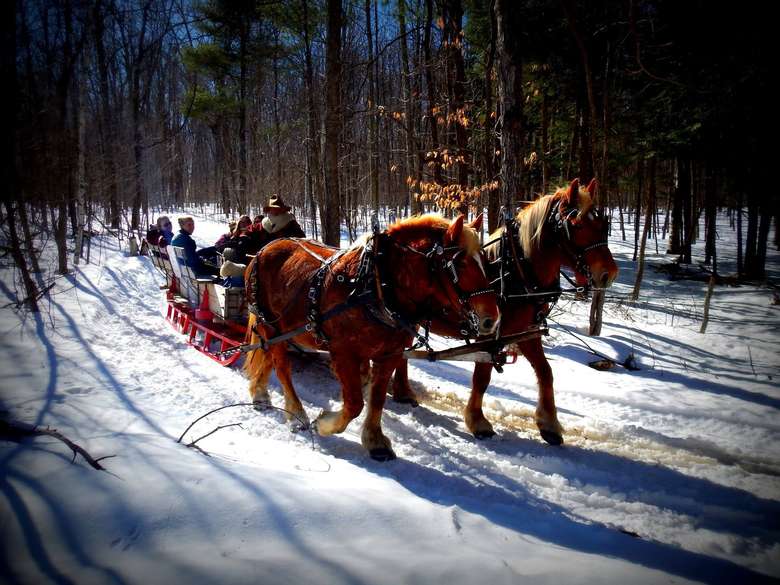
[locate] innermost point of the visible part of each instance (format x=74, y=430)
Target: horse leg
x=473, y=416
x=347, y=371
x=365, y=378
x=258, y=367
x=372, y=437
x=546, y=415
x=402, y=391
x=294, y=412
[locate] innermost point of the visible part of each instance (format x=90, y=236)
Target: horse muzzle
x=604, y=278
x=488, y=325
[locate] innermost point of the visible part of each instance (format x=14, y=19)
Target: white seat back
x=188, y=282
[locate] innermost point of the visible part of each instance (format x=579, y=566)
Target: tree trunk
x=432, y=118
x=452, y=15
x=686, y=194
x=373, y=176
x=545, y=121
x=675, y=234
x=740, y=267
x=30, y=288
x=243, y=127
x=493, y=203
x=640, y=171
x=590, y=115
x=330, y=213
x=29, y=244
x=104, y=118
x=648, y=220
x=61, y=236
x=710, y=214
x=510, y=100
x=707, y=300
x=596, y=312
x=135, y=101
x=312, y=122
x=412, y=150
x=81, y=168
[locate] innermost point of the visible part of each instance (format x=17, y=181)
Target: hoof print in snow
x=551, y=437
x=382, y=454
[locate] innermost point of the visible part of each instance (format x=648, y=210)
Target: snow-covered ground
x=668, y=474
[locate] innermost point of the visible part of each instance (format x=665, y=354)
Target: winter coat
x=191, y=256
x=273, y=228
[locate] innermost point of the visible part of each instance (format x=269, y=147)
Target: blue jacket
x=192, y=259
x=168, y=235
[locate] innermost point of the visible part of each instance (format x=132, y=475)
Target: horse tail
x=255, y=364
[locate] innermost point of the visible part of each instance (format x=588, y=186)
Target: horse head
x=453, y=280
x=581, y=232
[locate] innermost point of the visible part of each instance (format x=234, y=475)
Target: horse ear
x=572, y=194
x=592, y=188
x=453, y=232
x=476, y=224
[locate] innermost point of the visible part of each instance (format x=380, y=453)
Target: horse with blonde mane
x=564, y=228
x=361, y=304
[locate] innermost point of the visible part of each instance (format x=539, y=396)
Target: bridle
x=441, y=263
x=563, y=222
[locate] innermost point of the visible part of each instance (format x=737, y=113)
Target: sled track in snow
x=681, y=454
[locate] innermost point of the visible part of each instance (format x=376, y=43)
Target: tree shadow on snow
x=503, y=500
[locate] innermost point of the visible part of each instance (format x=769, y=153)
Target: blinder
x=441, y=262
x=563, y=221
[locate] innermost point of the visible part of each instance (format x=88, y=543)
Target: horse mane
x=532, y=219
x=418, y=228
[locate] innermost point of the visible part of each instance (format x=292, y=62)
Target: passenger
x=155, y=234
x=258, y=220
x=202, y=262
x=240, y=239
x=278, y=223
x=232, y=269
x=166, y=230
x=223, y=240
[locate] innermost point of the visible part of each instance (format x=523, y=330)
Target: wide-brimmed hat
x=276, y=204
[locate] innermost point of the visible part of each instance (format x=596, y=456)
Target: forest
x=353, y=107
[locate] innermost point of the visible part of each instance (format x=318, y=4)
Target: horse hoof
x=261, y=405
x=382, y=454
x=481, y=435
x=552, y=437
x=410, y=401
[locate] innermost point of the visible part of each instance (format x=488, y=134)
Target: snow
x=670, y=474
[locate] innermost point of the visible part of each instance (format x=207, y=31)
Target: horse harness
x=370, y=290
x=516, y=280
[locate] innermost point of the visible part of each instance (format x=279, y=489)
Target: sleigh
x=211, y=316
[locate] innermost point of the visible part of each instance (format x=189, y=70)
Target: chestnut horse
x=362, y=304
x=560, y=229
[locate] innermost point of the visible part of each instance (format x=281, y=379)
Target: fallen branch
x=304, y=424
x=219, y=428
x=16, y=431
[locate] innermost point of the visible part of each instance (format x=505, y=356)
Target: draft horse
x=524, y=261
x=361, y=304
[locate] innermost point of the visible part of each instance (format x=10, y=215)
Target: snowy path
x=671, y=473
